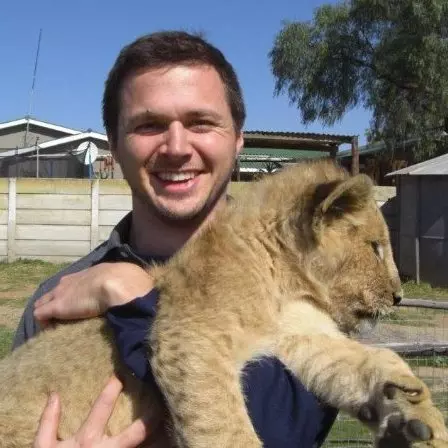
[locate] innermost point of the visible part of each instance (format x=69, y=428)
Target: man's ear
x=335, y=200
x=112, y=147
x=239, y=142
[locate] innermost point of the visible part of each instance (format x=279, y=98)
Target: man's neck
x=154, y=236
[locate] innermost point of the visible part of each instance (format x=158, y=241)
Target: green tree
x=390, y=56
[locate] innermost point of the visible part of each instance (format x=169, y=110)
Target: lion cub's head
x=341, y=239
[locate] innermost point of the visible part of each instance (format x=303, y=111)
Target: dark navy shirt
x=283, y=412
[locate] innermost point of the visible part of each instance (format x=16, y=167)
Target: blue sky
x=81, y=39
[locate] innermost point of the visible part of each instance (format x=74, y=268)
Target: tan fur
x=288, y=270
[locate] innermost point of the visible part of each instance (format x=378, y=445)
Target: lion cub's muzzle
x=397, y=296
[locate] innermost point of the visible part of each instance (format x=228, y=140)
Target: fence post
x=94, y=213
x=12, y=189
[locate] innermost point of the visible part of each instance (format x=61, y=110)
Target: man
x=91, y=433
x=173, y=112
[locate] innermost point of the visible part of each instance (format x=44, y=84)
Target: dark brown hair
x=162, y=49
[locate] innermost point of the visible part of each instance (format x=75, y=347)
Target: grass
x=412, y=290
x=413, y=317
x=348, y=432
x=25, y=273
x=18, y=280
x=428, y=361
x=6, y=336
x=17, y=302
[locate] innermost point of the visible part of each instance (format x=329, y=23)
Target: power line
x=25, y=142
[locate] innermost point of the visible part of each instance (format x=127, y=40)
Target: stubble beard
x=192, y=218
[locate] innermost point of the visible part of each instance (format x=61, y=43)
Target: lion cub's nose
x=397, y=297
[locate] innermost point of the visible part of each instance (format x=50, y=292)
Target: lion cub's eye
x=378, y=249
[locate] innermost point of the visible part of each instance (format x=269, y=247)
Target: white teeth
x=177, y=177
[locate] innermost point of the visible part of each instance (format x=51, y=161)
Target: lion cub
x=288, y=269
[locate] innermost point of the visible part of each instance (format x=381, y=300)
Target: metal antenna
x=25, y=139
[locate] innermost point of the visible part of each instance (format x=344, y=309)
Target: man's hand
x=91, y=433
x=89, y=293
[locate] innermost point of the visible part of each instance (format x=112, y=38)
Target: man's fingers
x=49, y=422
x=134, y=435
x=43, y=300
x=45, y=311
x=103, y=407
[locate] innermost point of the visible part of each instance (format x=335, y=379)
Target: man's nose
x=176, y=144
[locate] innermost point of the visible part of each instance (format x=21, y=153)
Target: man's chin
x=177, y=214
x=188, y=210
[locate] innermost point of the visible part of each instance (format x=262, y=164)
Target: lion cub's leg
x=373, y=384
x=200, y=382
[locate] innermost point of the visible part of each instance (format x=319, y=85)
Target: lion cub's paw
x=402, y=415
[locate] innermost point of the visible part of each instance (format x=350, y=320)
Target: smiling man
x=176, y=143
x=174, y=113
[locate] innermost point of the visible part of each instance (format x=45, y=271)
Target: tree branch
x=410, y=86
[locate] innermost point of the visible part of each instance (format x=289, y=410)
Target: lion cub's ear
x=338, y=199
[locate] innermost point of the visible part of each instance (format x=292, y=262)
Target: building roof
x=308, y=135
x=39, y=123
x=375, y=147
x=261, y=147
x=280, y=153
x=295, y=140
x=431, y=167
x=363, y=150
x=261, y=159
x=333, y=139
x=54, y=143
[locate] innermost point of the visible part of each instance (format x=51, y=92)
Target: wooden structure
x=273, y=147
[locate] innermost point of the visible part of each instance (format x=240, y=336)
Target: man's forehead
x=202, y=79
x=153, y=92
x=157, y=75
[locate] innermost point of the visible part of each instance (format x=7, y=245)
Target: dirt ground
x=10, y=316
x=432, y=327
x=18, y=281
x=12, y=305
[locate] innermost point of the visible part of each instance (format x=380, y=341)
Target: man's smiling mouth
x=173, y=176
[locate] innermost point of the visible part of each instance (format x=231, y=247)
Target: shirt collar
x=119, y=249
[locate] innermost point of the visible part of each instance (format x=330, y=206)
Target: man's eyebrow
x=203, y=113
x=144, y=115
x=140, y=117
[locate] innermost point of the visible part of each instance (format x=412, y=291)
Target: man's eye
x=148, y=127
x=201, y=125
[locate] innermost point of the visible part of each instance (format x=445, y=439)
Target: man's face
x=176, y=142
